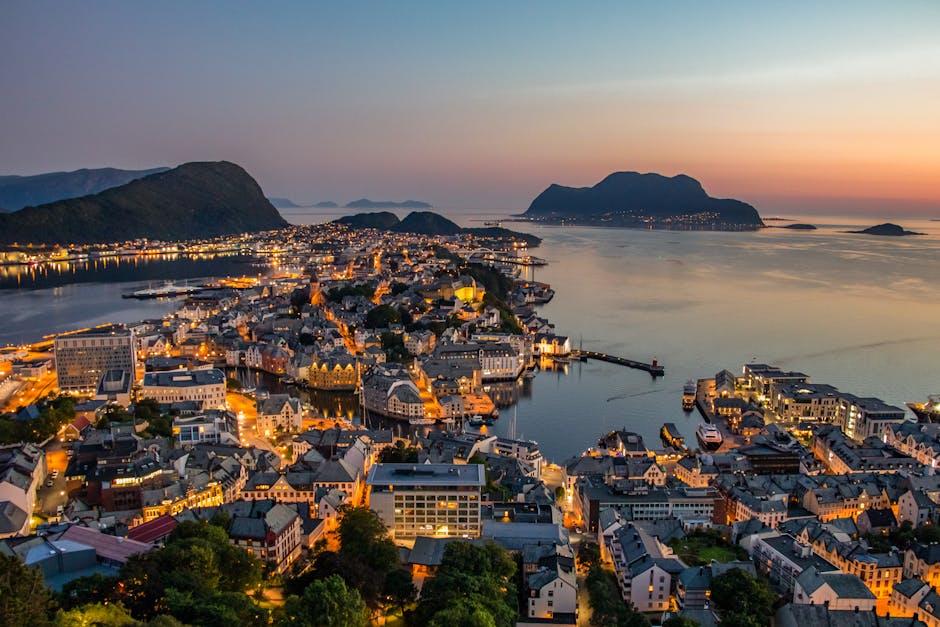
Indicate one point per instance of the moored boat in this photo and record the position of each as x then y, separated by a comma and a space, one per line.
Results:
928, 411
709, 437
688, 395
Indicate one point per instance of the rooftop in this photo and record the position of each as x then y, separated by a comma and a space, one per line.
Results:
427, 474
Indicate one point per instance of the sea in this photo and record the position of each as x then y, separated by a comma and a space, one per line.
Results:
854, 311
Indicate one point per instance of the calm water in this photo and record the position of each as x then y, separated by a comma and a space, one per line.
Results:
853, 311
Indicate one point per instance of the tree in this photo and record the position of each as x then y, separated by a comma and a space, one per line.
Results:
94, 588
475, 585
399, 454
366, 554
24, 598
680, 621
928, 534
742, 599
607, 606
326, 603
98, 614
399, 588
232, 384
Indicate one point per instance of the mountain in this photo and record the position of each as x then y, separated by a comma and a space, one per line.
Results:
326, 204
382, 220
430, 223
426, 223
283, 203
365, 203
194, 200
626, 198
887, 229
17, 192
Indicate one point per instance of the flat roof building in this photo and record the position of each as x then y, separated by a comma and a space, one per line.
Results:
82, 358
173, 386
438, 500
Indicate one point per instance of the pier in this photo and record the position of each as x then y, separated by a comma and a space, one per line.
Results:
656, 369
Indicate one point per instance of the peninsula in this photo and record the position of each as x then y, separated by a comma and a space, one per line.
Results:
17, 192
632, 199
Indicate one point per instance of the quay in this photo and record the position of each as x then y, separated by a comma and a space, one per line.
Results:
656, 369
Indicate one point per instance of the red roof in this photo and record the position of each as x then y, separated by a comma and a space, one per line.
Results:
153, 530
106, 547
80, 423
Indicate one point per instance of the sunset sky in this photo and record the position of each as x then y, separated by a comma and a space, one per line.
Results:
789, 106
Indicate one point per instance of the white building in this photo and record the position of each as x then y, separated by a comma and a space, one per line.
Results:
279, 412
206, 387
441, 500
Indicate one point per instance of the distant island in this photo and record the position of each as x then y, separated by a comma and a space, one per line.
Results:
632, 199
283, 203
886, 229
326, 204
194, 200
17, 192
430, 223
799, 226
365, 203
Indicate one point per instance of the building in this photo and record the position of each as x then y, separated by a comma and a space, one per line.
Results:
204, 387
279, 412
212, 426
22, 471
391, 393
83, 357
427, 500
837, 591
782, 558
115, 387
336, 372
272, 532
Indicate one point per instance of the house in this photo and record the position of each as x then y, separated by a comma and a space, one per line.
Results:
917, 507
551, 584
877, 521
837, 591
923, 562
22, 470
279, 412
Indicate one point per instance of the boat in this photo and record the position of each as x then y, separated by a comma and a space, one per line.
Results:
168, 290
492, 223
688, 395
709, 437
479, 421
928, 411
421, 421
671, 437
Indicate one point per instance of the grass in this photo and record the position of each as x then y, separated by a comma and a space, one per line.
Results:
700, 547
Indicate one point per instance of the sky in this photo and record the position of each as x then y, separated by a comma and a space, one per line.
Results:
800, 106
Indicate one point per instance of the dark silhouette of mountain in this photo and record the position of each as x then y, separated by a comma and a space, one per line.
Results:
426, 223
326, 204
799, 226
886, 229
194, 200
430, 223
17, 192
283, 203
382, 220
625, 197
365, 203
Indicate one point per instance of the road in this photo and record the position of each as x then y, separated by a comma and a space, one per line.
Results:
48, 498
32, 392
244, 407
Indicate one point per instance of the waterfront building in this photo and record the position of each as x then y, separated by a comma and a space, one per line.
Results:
390, 392
83, 357
336, 372
843, 456
204, 387
428, 499
868, 417
762, 379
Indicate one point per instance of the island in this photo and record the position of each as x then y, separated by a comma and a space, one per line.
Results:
326, 204
434, 224
632, 199
887, 229
283, 203
799, 226
192, 201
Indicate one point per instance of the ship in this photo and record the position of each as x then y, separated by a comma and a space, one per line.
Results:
928, 411
480, 421
688, 395
168, 290
709, 437
671, 437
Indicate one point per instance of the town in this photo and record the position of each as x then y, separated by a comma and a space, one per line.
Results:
135, 455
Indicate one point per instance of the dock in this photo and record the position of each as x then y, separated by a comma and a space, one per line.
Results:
656, 369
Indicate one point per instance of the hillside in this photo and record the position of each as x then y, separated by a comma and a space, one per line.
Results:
426, 223
382, 220
887, 229
283, 203
17, 192
194, 200
627, 198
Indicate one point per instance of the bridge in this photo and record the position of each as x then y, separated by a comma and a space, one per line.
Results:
656, 369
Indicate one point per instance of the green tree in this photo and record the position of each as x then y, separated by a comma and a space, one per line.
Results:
399, 588
680, 621
928, 534
607, 606
741, 599
24, 598
326, 603
366, 554
475, 585
400, 453
95, 588
97, 614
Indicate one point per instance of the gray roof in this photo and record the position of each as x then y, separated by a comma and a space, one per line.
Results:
427, 474
184, 378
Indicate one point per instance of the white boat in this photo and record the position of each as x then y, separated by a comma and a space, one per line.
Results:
421, 421
709, 437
